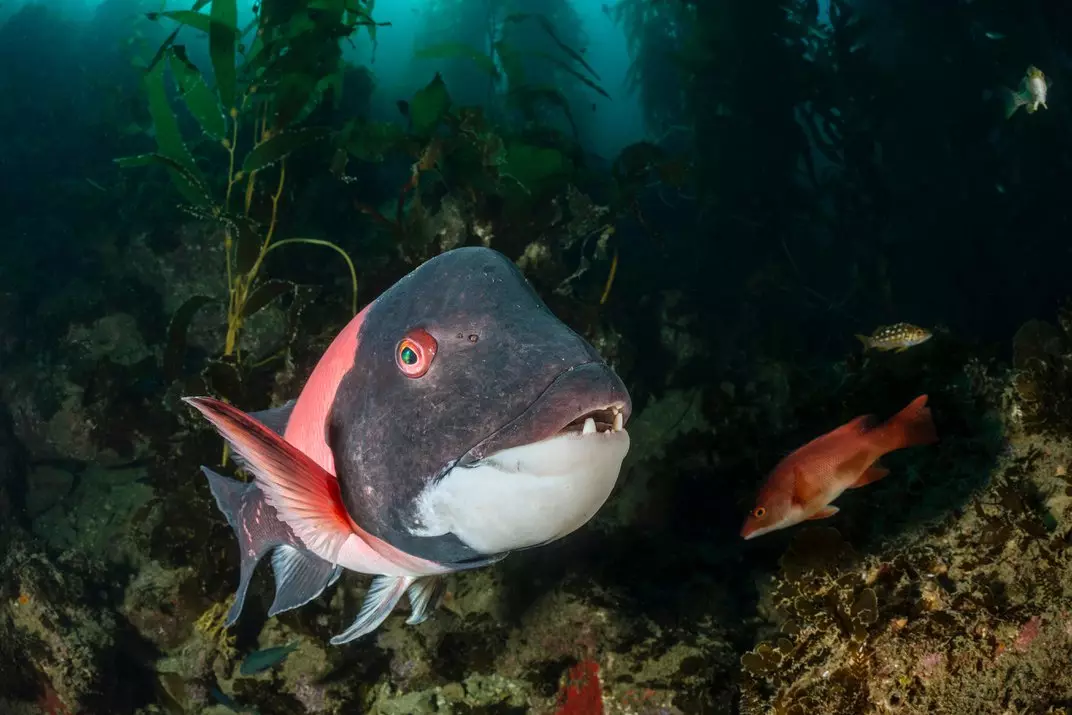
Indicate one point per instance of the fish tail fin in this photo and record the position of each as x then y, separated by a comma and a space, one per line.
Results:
865, 340
910, 427
382, 597
300, 576
239, 502
1011, 101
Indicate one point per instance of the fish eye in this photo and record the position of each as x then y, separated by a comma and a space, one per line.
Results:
415, 352
759, 512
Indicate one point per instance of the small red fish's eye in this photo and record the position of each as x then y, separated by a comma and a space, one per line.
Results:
759, 512
415, 353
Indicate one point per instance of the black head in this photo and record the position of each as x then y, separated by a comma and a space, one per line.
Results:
457, 362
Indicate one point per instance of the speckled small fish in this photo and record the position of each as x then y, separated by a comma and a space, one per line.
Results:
1031, 94
899, 337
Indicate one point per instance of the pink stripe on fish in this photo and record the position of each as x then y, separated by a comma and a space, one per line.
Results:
307, 426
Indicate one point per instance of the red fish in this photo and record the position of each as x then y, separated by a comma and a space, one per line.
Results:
453, 421
804, 484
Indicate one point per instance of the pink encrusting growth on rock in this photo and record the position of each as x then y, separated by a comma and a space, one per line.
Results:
1028, 633
582, 693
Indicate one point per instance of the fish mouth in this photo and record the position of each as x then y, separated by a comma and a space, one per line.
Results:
599, 421
541, 476
587, 400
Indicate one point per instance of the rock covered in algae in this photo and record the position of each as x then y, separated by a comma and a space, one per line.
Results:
56, 631
969, 613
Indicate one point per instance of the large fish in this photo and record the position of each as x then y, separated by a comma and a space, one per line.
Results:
453, 421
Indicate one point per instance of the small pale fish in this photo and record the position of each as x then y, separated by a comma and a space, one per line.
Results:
899, 337
261, 660
1031, 94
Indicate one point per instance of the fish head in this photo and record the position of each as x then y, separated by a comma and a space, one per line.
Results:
774, 507
916, 335
474, 421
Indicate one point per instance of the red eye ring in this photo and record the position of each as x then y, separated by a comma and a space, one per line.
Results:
759, 512
415, 352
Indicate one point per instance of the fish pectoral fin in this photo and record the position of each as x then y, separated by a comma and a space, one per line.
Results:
305, 495
300, 576
382, 597
425, 595
856, 463
825, 513
873, 474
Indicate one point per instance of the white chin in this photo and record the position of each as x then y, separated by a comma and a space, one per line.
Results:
525, 496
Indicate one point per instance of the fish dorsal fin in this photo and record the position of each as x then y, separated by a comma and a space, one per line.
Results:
304, 494
860, 425
275, 418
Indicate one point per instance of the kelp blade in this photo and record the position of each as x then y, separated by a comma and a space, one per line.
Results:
222, 41
200, 100
279, 146
169, 139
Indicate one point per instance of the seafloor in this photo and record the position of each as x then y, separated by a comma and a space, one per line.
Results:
944, 589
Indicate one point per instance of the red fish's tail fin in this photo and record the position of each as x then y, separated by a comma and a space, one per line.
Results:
910, 427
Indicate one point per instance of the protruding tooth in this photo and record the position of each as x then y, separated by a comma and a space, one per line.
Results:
619, 422
589, 426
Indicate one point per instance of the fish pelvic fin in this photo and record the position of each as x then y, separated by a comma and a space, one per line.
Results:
825, 513
425, 595
304, 494
300, 576
239, 501
910, 427
382, 597
865, 340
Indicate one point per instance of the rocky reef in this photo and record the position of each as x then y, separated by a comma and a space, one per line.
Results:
944, 589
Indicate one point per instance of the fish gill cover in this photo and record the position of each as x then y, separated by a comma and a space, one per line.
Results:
195, 198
